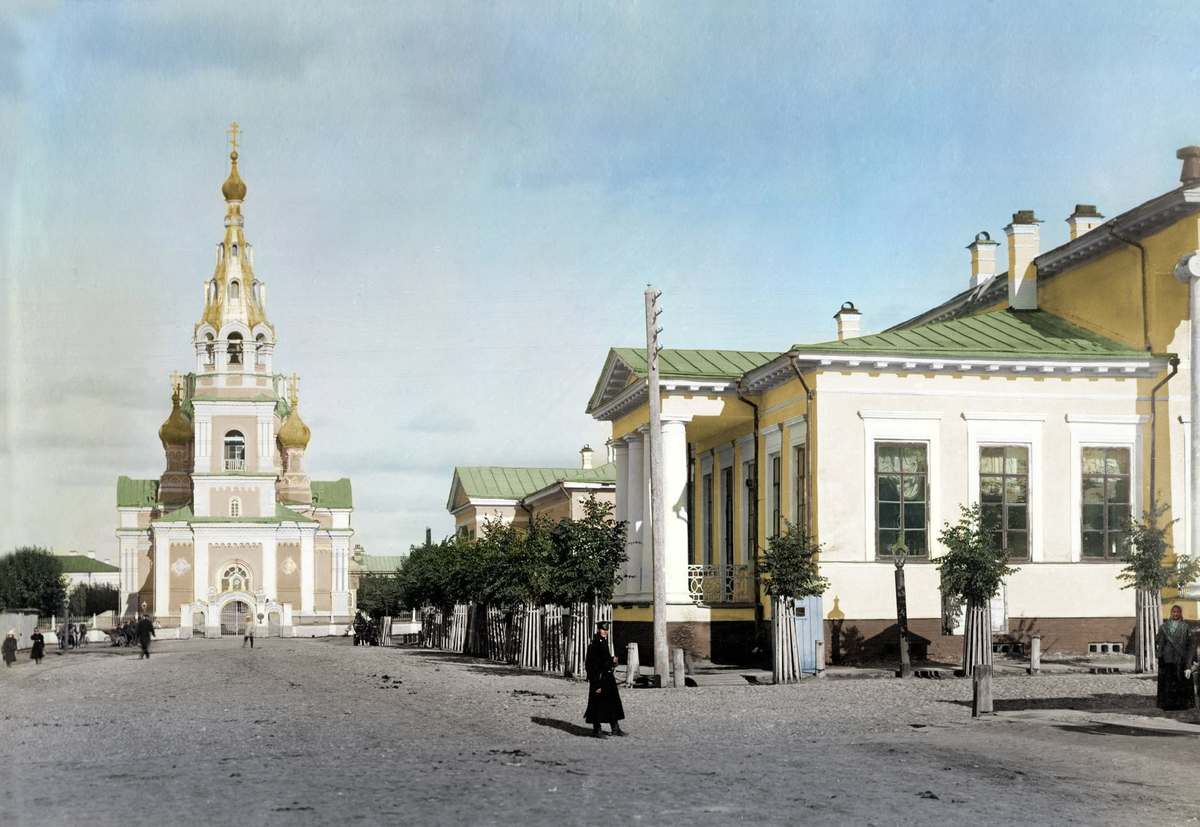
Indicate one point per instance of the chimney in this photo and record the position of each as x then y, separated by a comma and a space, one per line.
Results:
983, 258
91, 555
1084, 218
586, 452
848, 319
1024, 238
1190, 155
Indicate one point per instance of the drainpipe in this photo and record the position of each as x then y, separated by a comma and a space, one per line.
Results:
808, 480
1154, 430
1112, 230
758, 607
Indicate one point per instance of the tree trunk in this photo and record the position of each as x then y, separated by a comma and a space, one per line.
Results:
902, 622
1146, 623
977, 636
786, 647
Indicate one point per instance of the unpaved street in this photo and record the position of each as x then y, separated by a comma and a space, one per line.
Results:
316, 732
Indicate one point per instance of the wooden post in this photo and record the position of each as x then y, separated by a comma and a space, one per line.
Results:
632, 664
658, 511
981, 700
677, 664
902, 619
820, 647
1035, 655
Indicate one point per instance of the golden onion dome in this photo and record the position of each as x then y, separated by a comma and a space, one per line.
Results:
294, 433
177, 430
234, 189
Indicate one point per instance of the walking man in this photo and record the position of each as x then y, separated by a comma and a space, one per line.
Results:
145, 631
604, 701
249, 636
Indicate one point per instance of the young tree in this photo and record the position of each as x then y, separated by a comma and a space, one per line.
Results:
1149, 572
789, 563
973, 568
32, 578
93, 598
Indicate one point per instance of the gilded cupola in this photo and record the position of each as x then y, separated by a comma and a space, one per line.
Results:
177, 430
234, 189
294, 433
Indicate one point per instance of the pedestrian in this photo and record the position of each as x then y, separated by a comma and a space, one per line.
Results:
9, 648
604, 701
39, 646
1175, 645
145, 631
249, 636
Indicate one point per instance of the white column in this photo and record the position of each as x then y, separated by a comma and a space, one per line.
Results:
621, 506
307, 575
269, 568
675, 533
635, 486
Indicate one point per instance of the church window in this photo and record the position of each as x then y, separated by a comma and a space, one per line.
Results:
235, 347
261, 347
233, 250
235, 451
256, 293
235, 291
235, 507
209, 351
220, 254
235, 578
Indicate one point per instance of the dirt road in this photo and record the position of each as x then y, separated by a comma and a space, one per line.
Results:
316, 732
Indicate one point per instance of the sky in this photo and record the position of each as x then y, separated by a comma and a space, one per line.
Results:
457, 206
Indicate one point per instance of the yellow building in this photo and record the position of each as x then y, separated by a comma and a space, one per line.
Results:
234, 527
1047, 393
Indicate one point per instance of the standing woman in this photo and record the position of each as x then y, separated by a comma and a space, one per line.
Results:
9, 649
604, 702
1174, 644
39, 646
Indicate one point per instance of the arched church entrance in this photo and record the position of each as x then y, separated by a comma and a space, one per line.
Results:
233, 617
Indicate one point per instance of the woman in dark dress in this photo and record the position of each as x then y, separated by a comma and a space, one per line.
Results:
39, 646
9, 649
604, 701
1174, 644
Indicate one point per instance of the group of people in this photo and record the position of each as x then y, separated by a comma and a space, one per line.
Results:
37, 650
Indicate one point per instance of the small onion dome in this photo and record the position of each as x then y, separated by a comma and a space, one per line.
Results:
234, 189
177, 430
294, 433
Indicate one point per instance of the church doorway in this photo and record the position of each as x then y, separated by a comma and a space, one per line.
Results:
233, 617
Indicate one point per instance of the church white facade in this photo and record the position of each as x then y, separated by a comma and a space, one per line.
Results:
234, 528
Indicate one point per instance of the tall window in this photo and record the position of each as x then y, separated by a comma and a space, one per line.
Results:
706, 520
776, 495
260, 347
235, 451
235, 507
235, 291
209, 351
801, 485
1004, 496
727, 515
1106, 502
901, 498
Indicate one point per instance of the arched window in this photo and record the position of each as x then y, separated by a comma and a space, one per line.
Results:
235, 347
235, 578
220, 254
256, 293
235, 507
233, 250
209, 350
235, 291
235, 451
260, 348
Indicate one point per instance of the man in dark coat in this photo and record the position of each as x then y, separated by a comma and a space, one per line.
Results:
145, 631
604, 701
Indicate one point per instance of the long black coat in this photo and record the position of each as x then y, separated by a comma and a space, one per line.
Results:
604, 701
39, 646
145, 631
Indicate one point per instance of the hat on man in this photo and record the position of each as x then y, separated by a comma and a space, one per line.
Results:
602, 626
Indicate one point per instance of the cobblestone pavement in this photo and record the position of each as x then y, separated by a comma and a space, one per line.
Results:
316, 732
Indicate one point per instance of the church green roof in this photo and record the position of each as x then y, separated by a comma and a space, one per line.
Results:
81, 564
380, 563
515, 483
1016, 334
136, 493
332, 493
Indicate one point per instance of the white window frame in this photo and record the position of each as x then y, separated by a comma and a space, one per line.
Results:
902, 426
724, 462
797, 436
1103, 431
987, 430
707, 550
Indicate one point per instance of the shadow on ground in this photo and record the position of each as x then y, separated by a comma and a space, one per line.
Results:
565, 726
1111, 702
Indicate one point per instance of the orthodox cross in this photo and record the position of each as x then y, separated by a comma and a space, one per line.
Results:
175, 380
295, 386
234, 132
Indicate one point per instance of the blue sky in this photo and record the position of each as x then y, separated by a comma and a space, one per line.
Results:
457, 206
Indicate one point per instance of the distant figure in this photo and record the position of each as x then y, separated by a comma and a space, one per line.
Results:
1175, 645
604, 702
9, 648
39, 646
249, 636
145, 631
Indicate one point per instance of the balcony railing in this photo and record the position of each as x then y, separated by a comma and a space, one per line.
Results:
721, 584
235, 465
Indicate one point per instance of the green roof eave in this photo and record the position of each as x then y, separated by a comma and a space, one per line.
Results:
516, 483
282, 515
332, 493
624, 364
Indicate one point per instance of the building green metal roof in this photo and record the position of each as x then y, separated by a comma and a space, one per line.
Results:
694, 364
283, 514
380, 564
515, 483
332, 494
136, 493
1020, 334
82, 564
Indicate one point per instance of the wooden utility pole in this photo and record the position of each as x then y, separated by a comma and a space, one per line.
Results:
662, 657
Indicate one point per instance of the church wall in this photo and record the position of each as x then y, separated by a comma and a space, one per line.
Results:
251, 501
323, 578
145, 579
221, 426
221, 555
287, 583
182, 590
